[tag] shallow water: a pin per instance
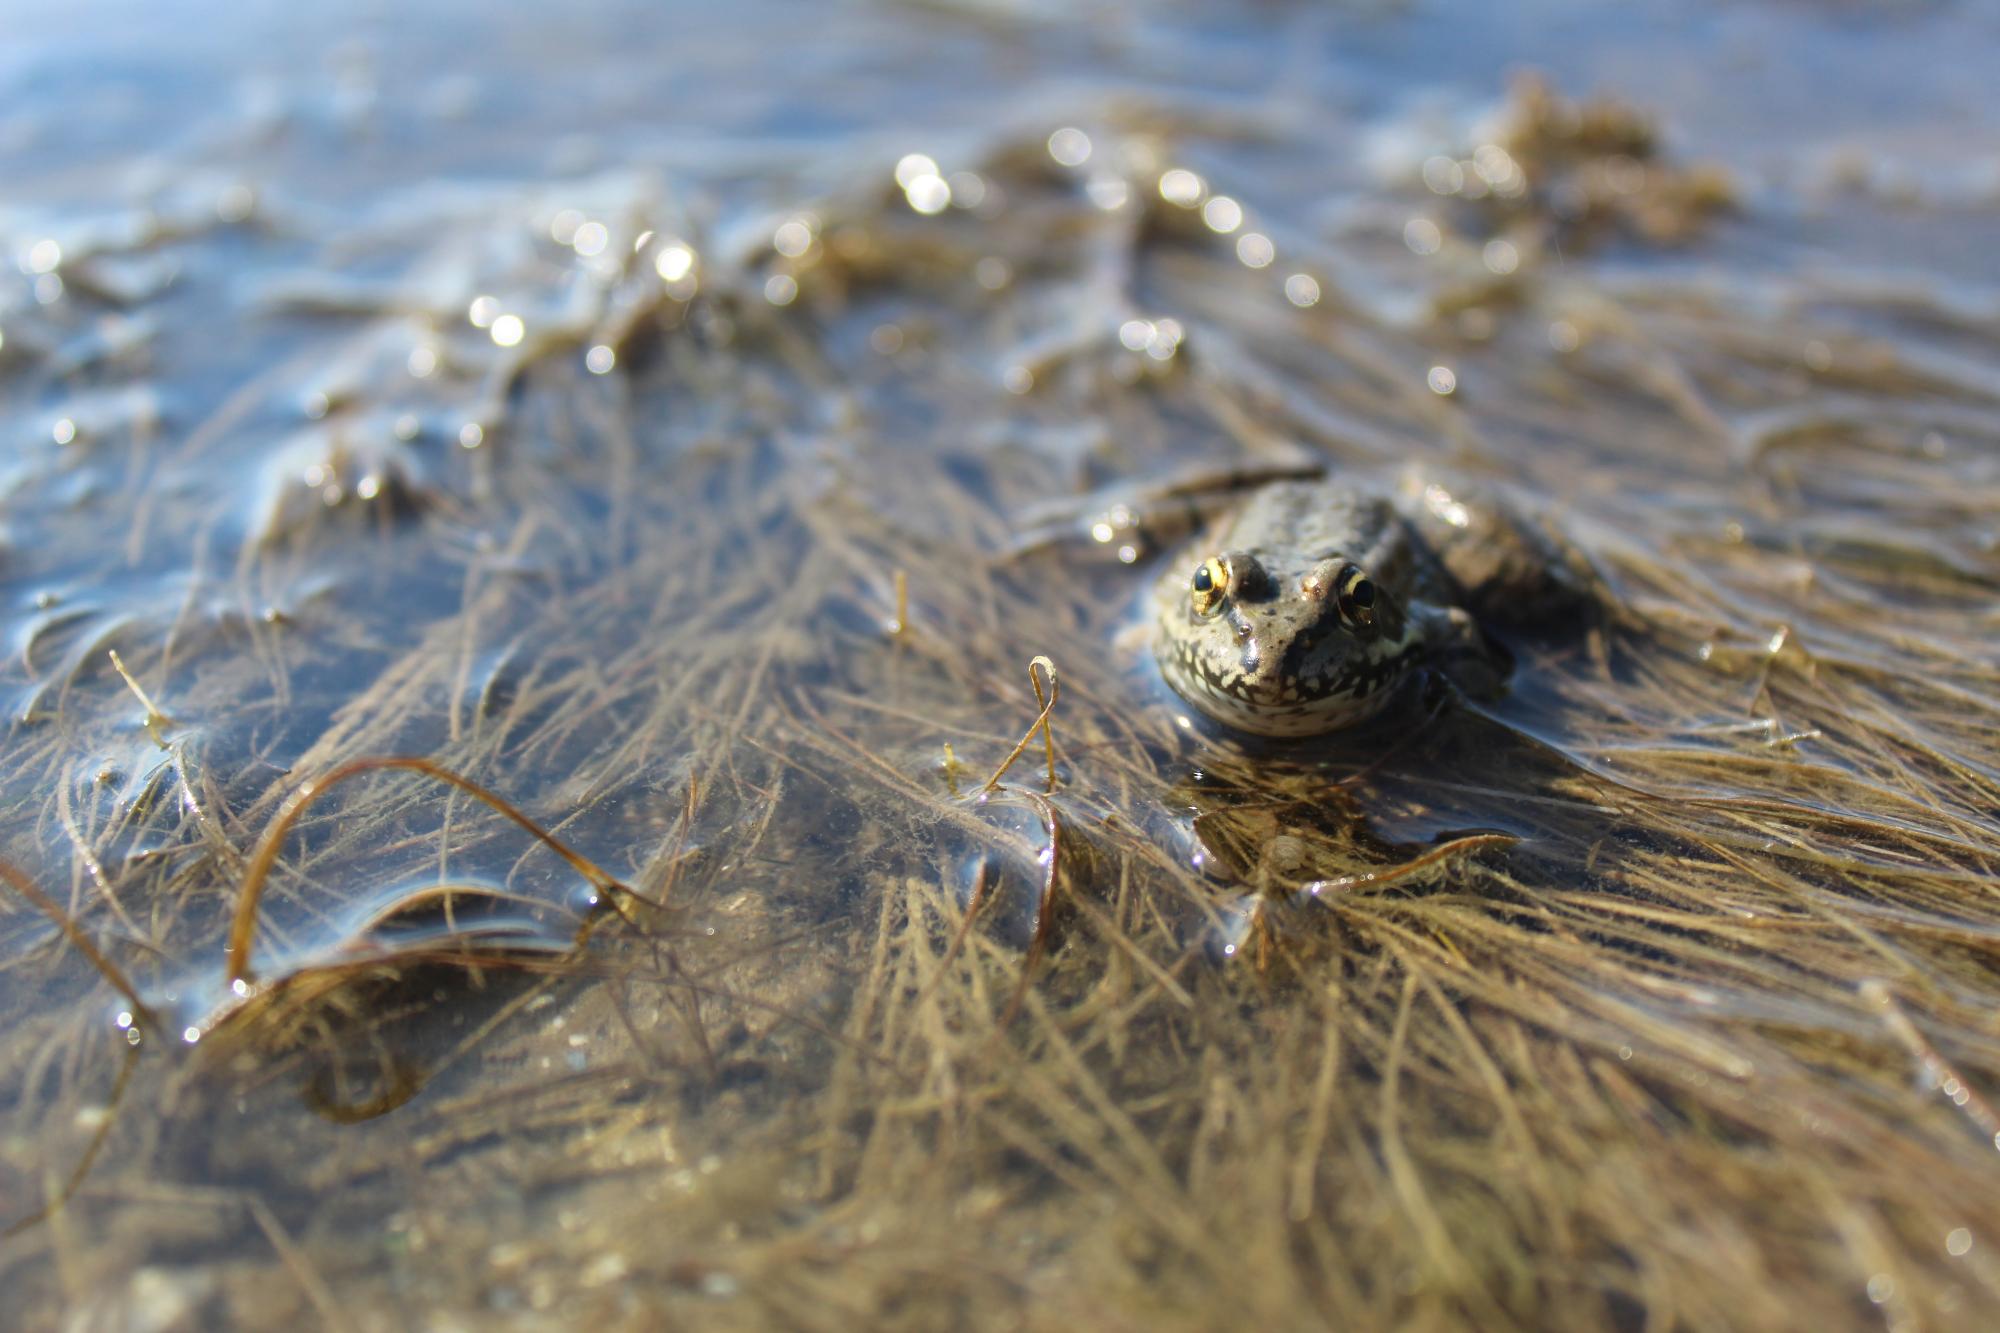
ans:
(687, 428)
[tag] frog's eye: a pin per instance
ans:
(1206, 588)
(1356, 594)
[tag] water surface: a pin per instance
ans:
(680, 424)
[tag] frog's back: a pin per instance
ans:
(1296, 525)
(1508, 565)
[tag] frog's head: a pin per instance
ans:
(1278, 647)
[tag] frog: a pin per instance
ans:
(1306, 605)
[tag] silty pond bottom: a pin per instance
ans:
(691, 437)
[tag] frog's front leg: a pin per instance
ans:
(1466, 654)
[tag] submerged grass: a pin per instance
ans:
(1658, 994)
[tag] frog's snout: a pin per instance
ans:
(1264, 679)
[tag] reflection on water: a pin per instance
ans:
(693, 435)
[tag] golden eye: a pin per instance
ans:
(1357, 597)
(1206, 588)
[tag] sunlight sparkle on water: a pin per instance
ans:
(1254, 250)
(912, 165)
(591, 238)
(1443, 381)
(44, 257)
(508, 330)
(1222, 214)
(1159, 339)
(781, 289)
(600, 360)
(674, 262)
(423, 361)
(792, 238)
(1496, 167)
(64, 430)
(1501, 257)
(1070, 146)
(483, 311)
(1108, 192)
(1181, 186)
(923, 184)
(1422, 236)
(1440, 502)
(1443, 175)
(1302, 290)
(929, 195)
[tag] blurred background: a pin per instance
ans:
(687, 422)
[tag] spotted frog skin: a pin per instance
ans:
(1301, 611)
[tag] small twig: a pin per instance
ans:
(1041, 723)
(1379, 879)
(21, 884)
(981, 883)
(901, 624)
(155, 719)
(677, 857)
(317, 1293)
(1045, 910)
(244, 926)
(1937, 1070)
(90, 1152)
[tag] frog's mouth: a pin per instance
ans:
(1288, 705)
